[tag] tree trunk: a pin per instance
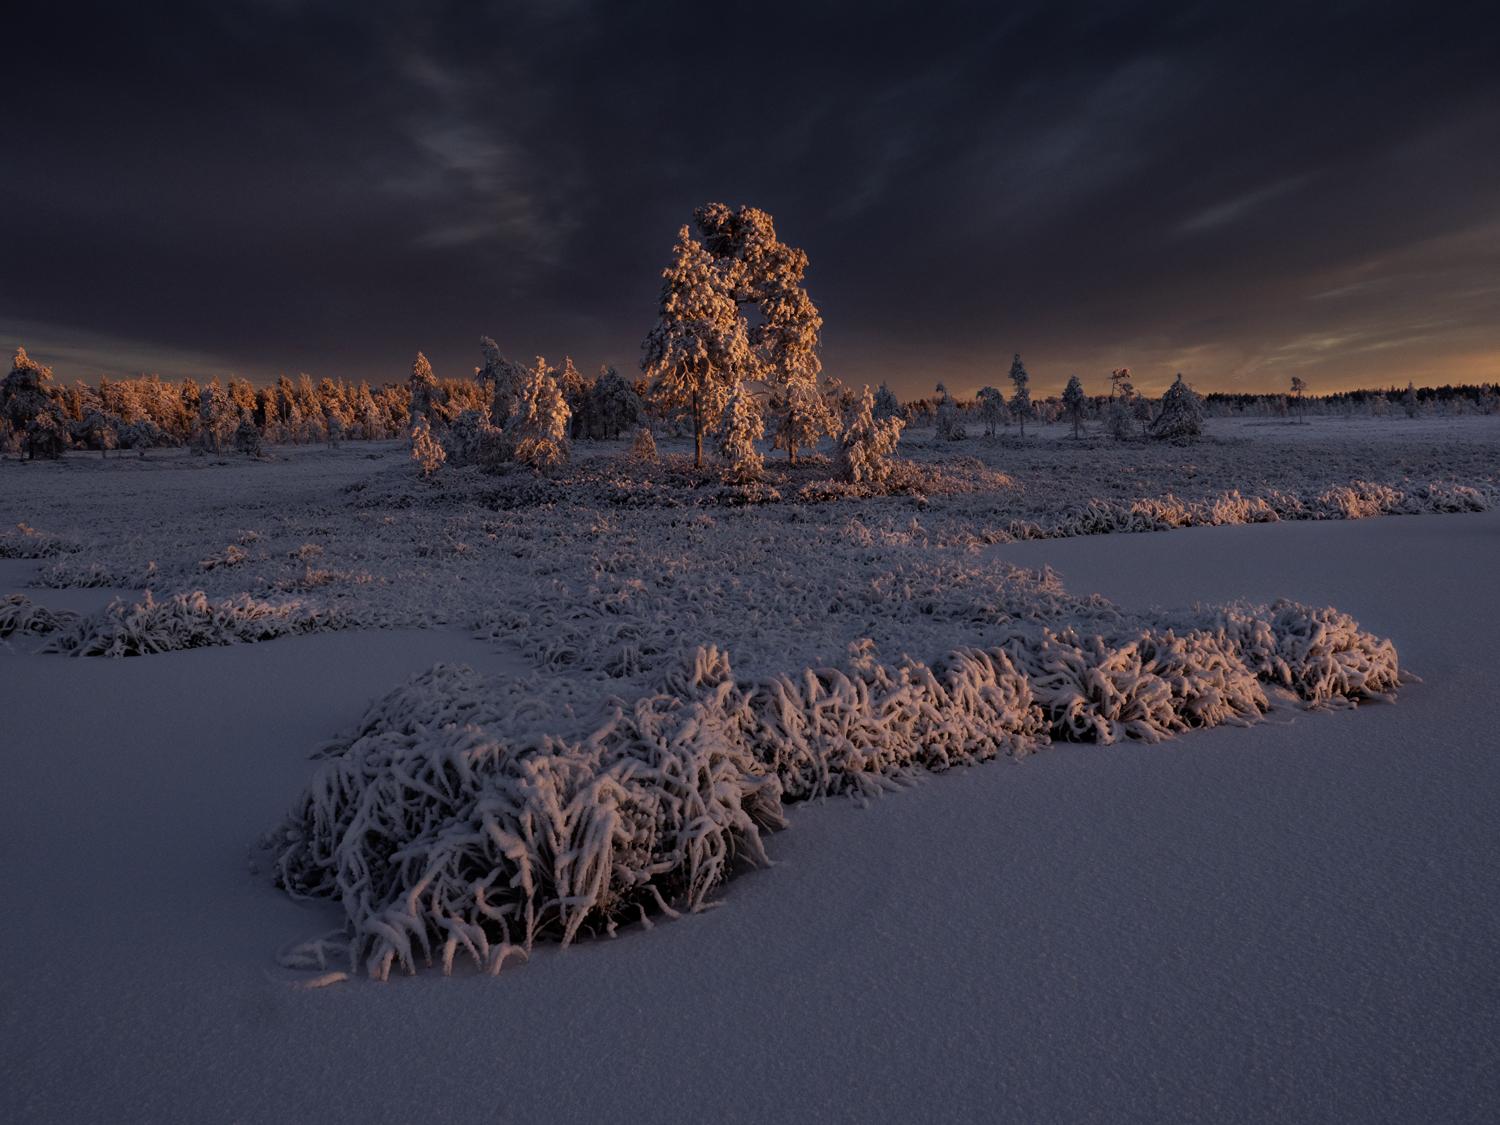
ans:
(697, 432)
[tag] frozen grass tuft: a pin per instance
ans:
(451, 823)
(186, 621)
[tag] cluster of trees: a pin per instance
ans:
(38, 418)
(1410, 400)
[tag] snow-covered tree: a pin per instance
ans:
(867, 445)
(34, 416)
(538, 431)
(501, 380)
(423, 386)
(1074, 402)
(1020, 399)
(1299, 388)
(739, 429)
(575, 391)
(216, 421)
(700, 346)
(803, 416)
(426, 450)
(991, 409)
(1181, 415)
(886, 404)
(98, 430)
(949, 428)
(1409, 401)
(613, 407)
(247, 436)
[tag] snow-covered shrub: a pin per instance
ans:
(186, 621)
(1181, 415)
(643, 446)
(472, 439)
(426, 450)
(19, 614)
(739, 429)
(867, 445)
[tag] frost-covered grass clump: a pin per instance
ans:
(20, 615)
(451, 825)
(186, 621)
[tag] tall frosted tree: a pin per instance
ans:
(700, 346)
(501, 380)
(1074, 402)
(766, 272)
(423, 386)
(1020, 399)
(886, 405)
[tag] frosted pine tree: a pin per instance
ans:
(991, 409)
(34, 416)
(1074, 403)
(501, 380)
(247, 436)
(1020, 399)
(1181, 415)
(613, 406)
(867, 445)
(886, 404)
(216, 422)
(739, 429)
(423, 386)
(538, 430)
(700, 346)
(426, 450)
(949, 428)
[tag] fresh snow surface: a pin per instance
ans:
(1295, 921)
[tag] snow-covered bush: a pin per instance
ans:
(867, 444)
(643, 446)
(1181, 415)
(472, 439)
(739, 430)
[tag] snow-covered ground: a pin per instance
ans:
(1290, 921)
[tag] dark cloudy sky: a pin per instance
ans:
(1242, 192)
